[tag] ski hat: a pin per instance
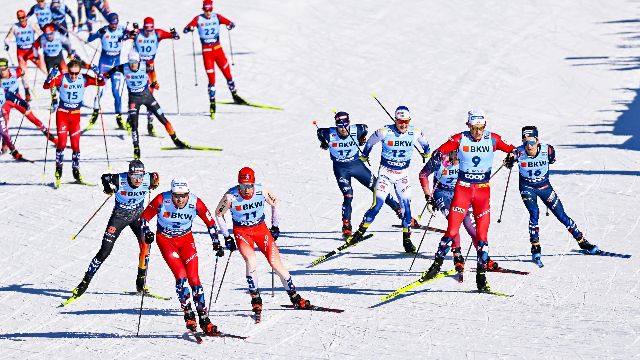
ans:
(136, 166)
(55, 2)
(48, 29)
(476, 117)
(246, 175)
(4, 62)
(342, 119)
(180, 185)
(149, 24)
(402, 113)
(113, 18)
(529, 131)
(134, 57)
(207, 5)
(21, 14)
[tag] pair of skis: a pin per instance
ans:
(340, 249)
(136, 293)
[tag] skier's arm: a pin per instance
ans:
(552, 154)
(55, 82)
(90, 80)
(163, 35)
(221, 209)
(223, 20)
(205, 215)
(362, 131)
(377, 136)
(192, 24)
(37, 43)
(424, 144)
(271, 199)
(73, 18)
(66, 44)
(452, 144)
(499, 144)
(6, 38)
(152, 209)
(429, 168)
(119, 68)
(107, 181)
(95, 35)
(323, 136)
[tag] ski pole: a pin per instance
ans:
(91, 218)
(505, 195)
(175, 73)
(20, 127)
(465, 258)
(215, 269)
(392, 119)
(494, 174)
(422, 212)
(193, 47)
(547, 206)
(222, 280)
(46, 141)
(144, 288)
(273, 282)
(231, 49)
(421, 240)
(104, 135)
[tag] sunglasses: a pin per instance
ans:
(137, 176)
(477, 127)
(180, 196)
(529, 143)
(245, 186)
(342, 125)
(4, 68)
(71, 73)
(404, 121)
(22, 18)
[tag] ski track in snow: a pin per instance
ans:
(558, 65)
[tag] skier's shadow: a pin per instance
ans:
(132, 311)
(26, 289)
(411, 293)
(86, 335)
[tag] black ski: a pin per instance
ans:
(221, 335)
(313, 308)
(508, 271)
(606, 253)
(423, 227)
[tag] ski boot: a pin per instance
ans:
(434, 269)
(357, 236)
(458, 261)
(536, 251)
(346, 229)
(82, 287)
(237, 99)
(256, 305)
(298, 301)
(76, 174)
(16, 155)
(50, 136)
(121, 124)
(178, 143)
(150, 130)
(212, 108)
(136, 152)
(190, 318)
(27, 95)
(492, 265)
(586, 245)
(140, 280)
(58, 175)
(481, 279)
(93, 118)
(205, 323)
(407, 244)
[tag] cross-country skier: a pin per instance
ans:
(476, 149)
(9, 79)
(71, 88)
(176, 210)
(52, 44)
(59, 13)
(4, 130)
(111, 37)
(90, 7)
(137, 82)
(146, 43)
(42, 11)
(534, 158)
(208, 26)
(397, 147)
(343, 143)
(247, 203)
(131, 189)
(25, 35)
(445, 175)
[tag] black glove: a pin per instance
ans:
(362, 141)
(174, 33)
(230, 243)
(217, 248)
(135, 25)
(275, 232)
(231, 26)
(324, 146)
(155, 180)
(432, 206)
(107, 189)
(6, 47)
(187, 29)
(509, 161)
(102, 30)
(149, 236)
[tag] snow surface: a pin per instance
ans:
(569, 67)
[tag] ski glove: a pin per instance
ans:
(363, 158)
(275, 232)
(217, 248)
(432, 206)
(230, 243)
(155, 180)
(231, 26)
(187, 29)
(362, 140)
(6, 47)
(102, 30)
(52, 74)
(436, 155)
(149, 236)
(174, 33)
(324, 146)
(509, 161)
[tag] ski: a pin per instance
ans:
(147, 293)
(314, 308)
(415, 284)
(606, 253)
(85, 183)
(220, 335)
(262, 106)
(539, 263)
(338, 250)
(69, 301)
(196, 336)
(508, 271)
(491, 292)
(191, 147)
(423, 227)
